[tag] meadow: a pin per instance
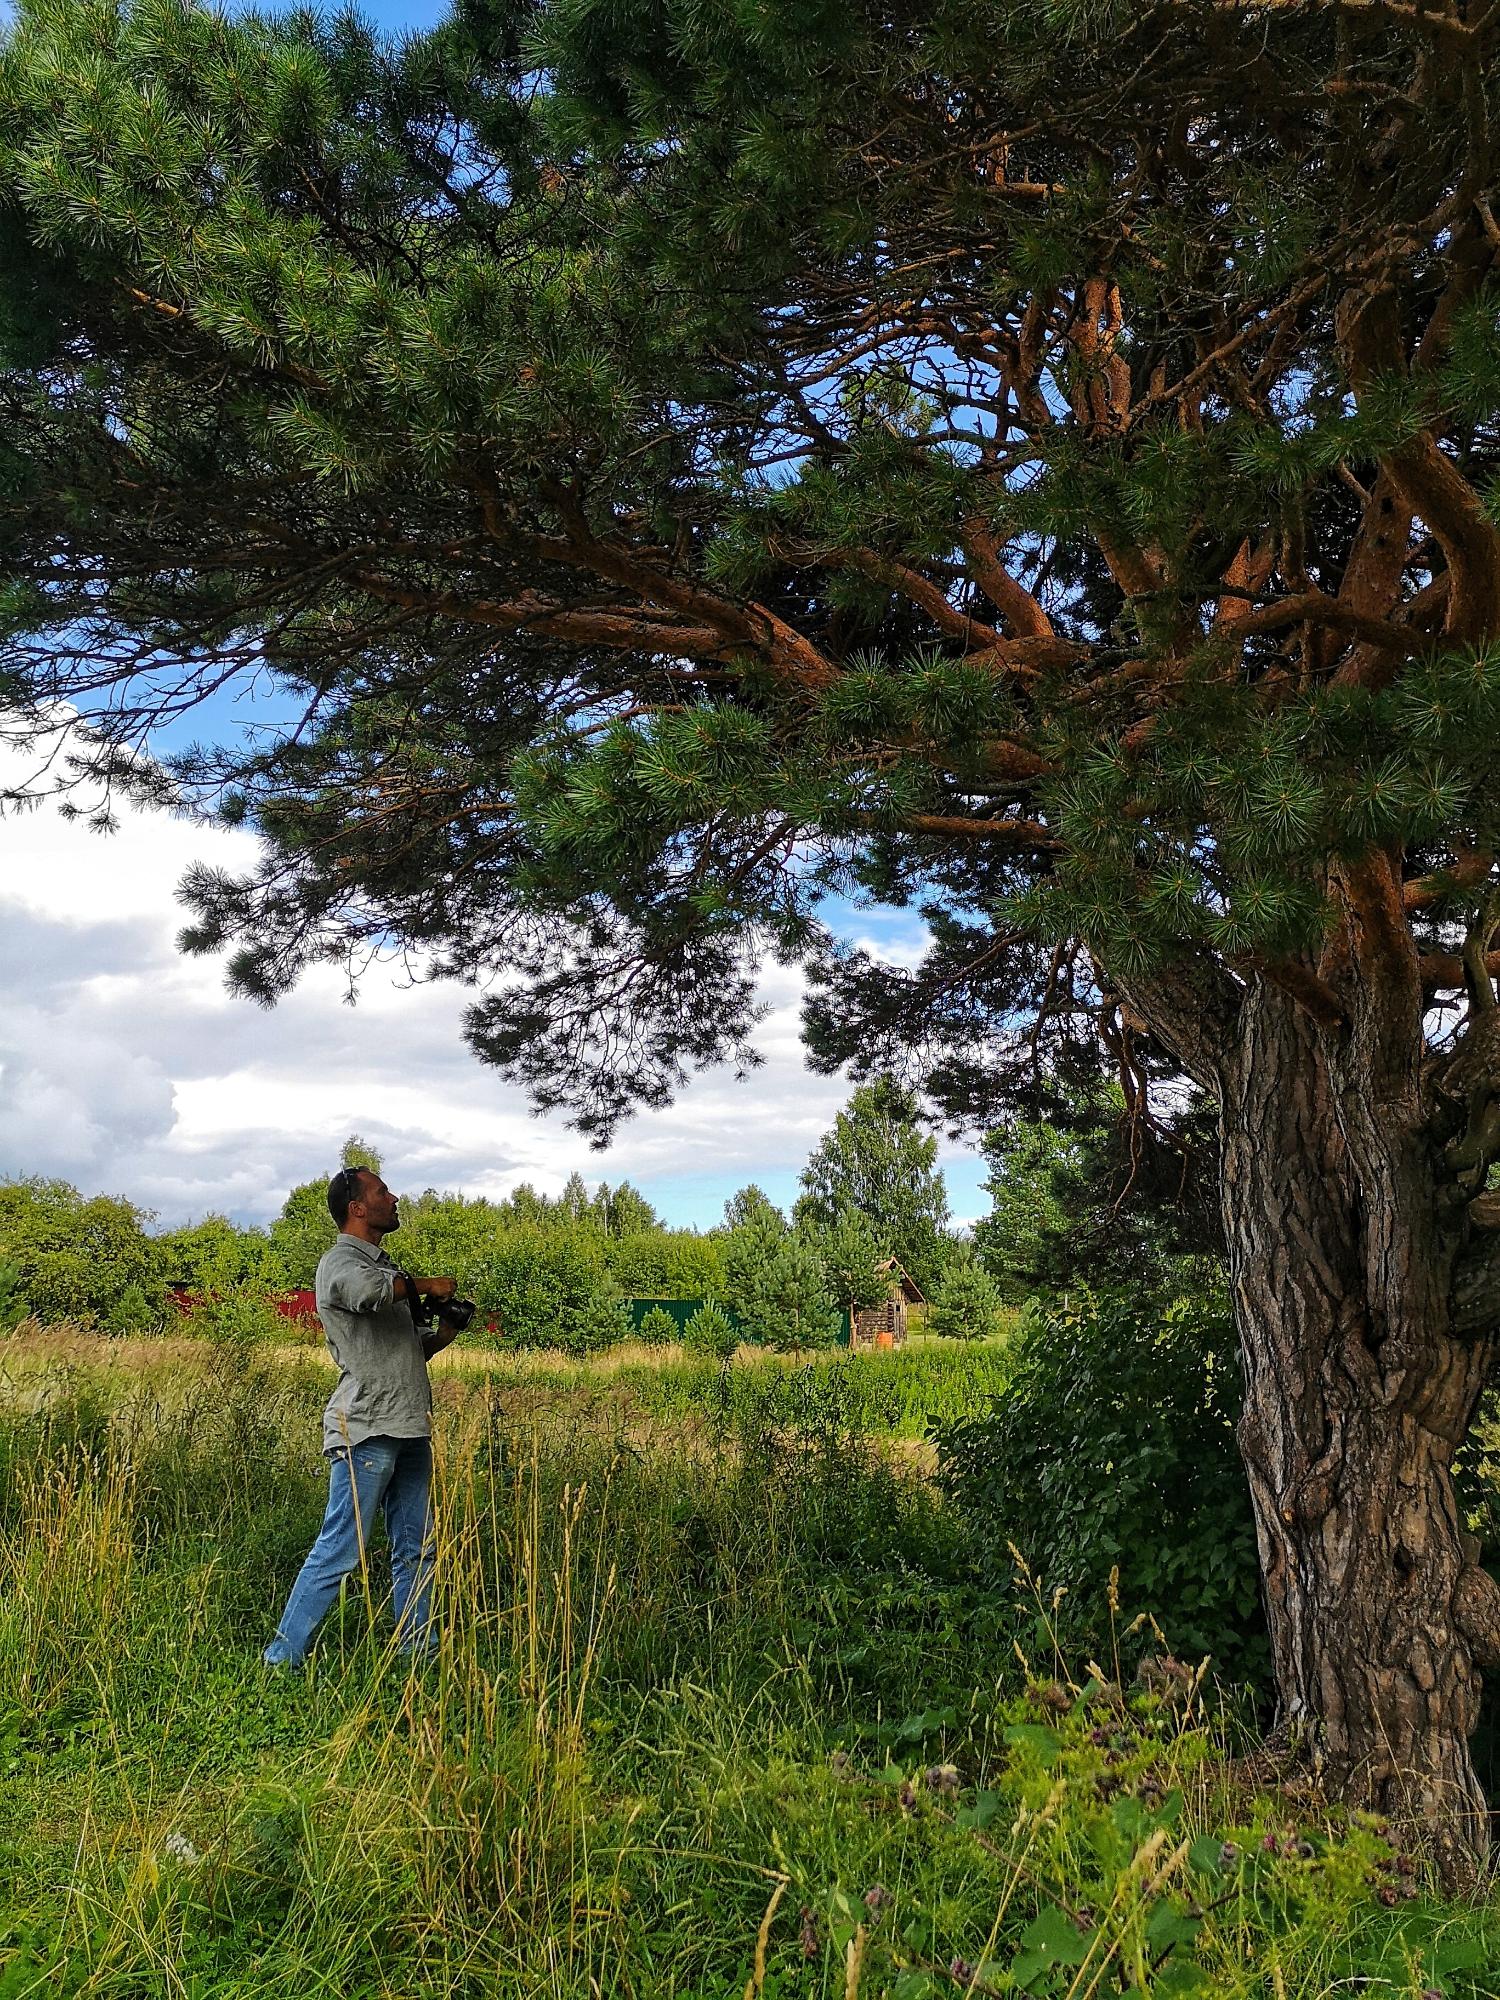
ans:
(728, 1706)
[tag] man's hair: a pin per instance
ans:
(343, 1189)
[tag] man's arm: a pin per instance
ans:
(429, 1288)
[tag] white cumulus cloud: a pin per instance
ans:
(127, 1068)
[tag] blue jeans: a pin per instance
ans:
(393, 1475)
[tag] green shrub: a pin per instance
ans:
(537, 1282)
(133, 1312)
(75, 1258)
(1115, 1446)
(303, 1231)
(968, 1304)
(666, 1264)
(13, 1307)
(657, 1327)
(711, 1331)
(238, 1314)
(209, 1255)
(602, 1321)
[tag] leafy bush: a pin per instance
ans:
(75, 1258)
(537, 1282)
(12, 1303)
(303, 1231)
(447, 1234)
(666, 1264)
(133, 1312)
(711, 1331)
(1115, 1446)
(657, 1327)
(968, 1304)
(240, 1314)
(209, 1255)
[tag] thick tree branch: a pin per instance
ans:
(1021, 611)
(1190, 1006)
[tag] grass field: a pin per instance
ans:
(721, 1710)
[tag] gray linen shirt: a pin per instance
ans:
(383, 1390)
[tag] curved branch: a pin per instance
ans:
(1191, 1007)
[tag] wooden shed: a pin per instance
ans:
(885, 1325)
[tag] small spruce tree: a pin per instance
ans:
(657, 1327)
(711, 1331)
(788, 1306)
(967, 1304)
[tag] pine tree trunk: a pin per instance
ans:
(1358, 1390)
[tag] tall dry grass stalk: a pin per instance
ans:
(450, 1824)
(67, 1569)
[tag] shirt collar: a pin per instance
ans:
(370, 1250)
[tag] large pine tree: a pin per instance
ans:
(1032, 460)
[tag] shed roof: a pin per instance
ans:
(911, 1291)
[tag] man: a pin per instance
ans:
(377, 1428)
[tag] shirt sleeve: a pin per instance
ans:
(362, 1287)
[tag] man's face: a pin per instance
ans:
(376, 1205)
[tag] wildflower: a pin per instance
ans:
(1228, 1854)
(841, 1764)
(942, 1779)
(877, 1899)
(1270, 1842)
(961, 1970)
(180, 1848)
(907, 1796)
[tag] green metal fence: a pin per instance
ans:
(682, 1310)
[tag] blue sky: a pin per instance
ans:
(125, 1067)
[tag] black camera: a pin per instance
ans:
(427, 1311)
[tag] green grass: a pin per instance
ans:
(720, 1708)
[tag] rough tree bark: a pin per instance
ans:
(1365, 1347)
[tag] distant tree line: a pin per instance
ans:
(560, 1270)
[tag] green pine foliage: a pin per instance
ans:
(854, 1258)
(1081, 1194)
(755, 1231)
(599, 1322)
(968, 1304)
(657, 1327)
(703, 602)
(711, 1331)
(787, 1305)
